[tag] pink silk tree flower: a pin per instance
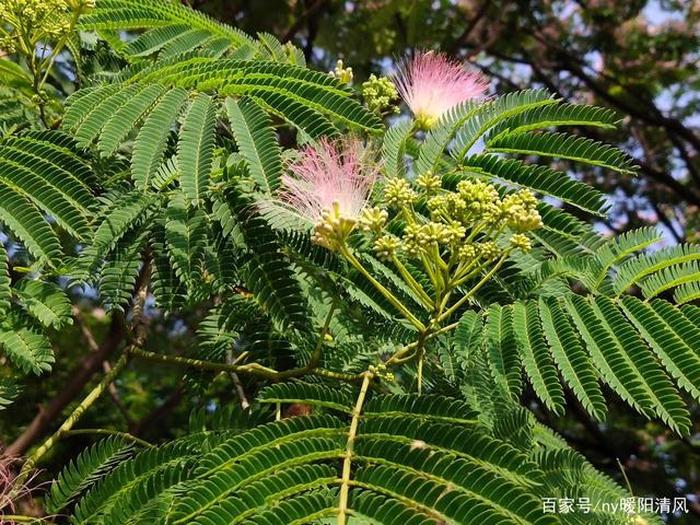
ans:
(430, 84)
(329, 186)
(14, 487)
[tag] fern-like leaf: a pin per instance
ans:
(195, 148)
(537, 360)
(571, 358)
(257, 142)
(89, 466)
(563, 146)
(151, 140)
(45, 301)
(28, 350)
(673, 337)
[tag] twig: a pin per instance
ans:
(384, 291)
(108, 432)
(91, 343)
(74, 417)
(349, 448)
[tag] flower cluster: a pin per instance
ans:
(342, 73)
(520, 210)
(461, 225)
(455, 234)
(398, 192)
(328, 186)
(431, 84)
(379, 94)
(28, 22)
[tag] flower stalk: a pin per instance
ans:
(349, 449)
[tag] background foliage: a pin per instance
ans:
(637, 58)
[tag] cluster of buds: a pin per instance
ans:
(429, 182)
(379, 94)
(399, 193)
(29, 22)
(520, 211)
(486, 251)
(333, 228)
(342, 73)
(381, 371)
(478, 202)
(463, 225)
(386, 246)
(373, 219)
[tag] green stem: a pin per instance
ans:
(431, 273)
(349, 448)
(384, 291)
(444, 329)
(75, 415)
(56, 50)
(332, 374)
(316, 354)
(475, 289)
(419, 375)
(10, 518)
(108, 432)
(412, 283)
(252, 368)
(401, 353)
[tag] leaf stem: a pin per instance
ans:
(349, 448)
(251, 368)
(108, 432)
(419, 374)
(75, 415)
(476, 288)
(384, 291)
(410, 280)
(316, 354)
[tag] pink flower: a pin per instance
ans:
(328, 175)
(431, 84)
(328, 186)
(13, 488)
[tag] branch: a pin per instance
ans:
(349, 447)
(75, 415)
(138, 329)
(252, 368)
(80, 376)
(107, 432)
(91, 343)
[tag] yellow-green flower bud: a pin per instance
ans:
(381, 372)
(386, 246)
(342, 73)
(521, 242)
(379, 94)
(398, 192)
(373, 219)
(429, 182)
(477, 191)
(333, 229)
(413, 241)
(467, 253)
(520, 211)
(454, 232)
(488, 250)
(438, 204)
